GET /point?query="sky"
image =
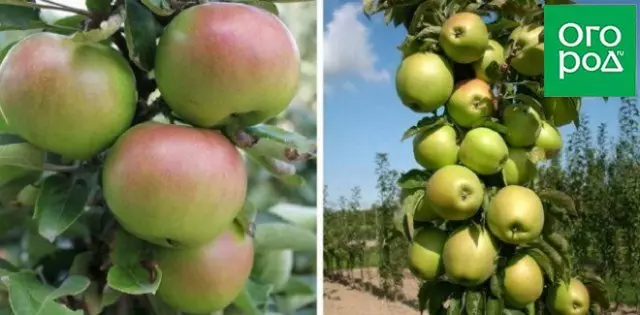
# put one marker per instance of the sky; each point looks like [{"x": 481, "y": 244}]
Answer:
[{"x": 362, "y": 113}]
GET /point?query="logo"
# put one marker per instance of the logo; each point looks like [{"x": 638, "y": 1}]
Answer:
[{"x": 590, "y": 50}]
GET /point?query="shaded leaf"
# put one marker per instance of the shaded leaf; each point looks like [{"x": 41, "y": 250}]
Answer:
[
  {"x": 474, "y": 302},
  {"x": 127, "y": 249},
  {"x": 543, "y": 261},
  {"x": 15, "y": 15},
  {"x": 107, "y": 28},
  {"x": 424, "y": 294},
  {"x": 59, "y": 205},
  {"x": 100, "y": 7},
  {"x": 272, "y": 141},
  {"x": 558, "y": 241},
  {"x": 495, "y": 306},
  {"x": 495, "y": 285},
  {"x": 265, "y": 5},
  {"x": 159, "y": 7},
  {"x": 559, "y": 199},
  {"x": 23, "y": 154},
  {"x": 141, "y": 29},
  {"x": 246, "y": 217},
  {"x": 597, "y": 290},
  {"x": 133, "y": 279},
  {"x": 413, "y": 179},
  {"x": 531, "y": 101},
  {"x": 455, "y": 305},
  {"x": 424, "y": 125},
  {"x": 561, "y": 266},
  {"x": 253, "y": 298},
  {"x": 409, "y": 206}
]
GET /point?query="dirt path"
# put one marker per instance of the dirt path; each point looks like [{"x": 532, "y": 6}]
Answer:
[{"x": 360, "y": 296}]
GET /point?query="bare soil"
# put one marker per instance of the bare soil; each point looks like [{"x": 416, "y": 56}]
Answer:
[{"x": 358, "y": 293}]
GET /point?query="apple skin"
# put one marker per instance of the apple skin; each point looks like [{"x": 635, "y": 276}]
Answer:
[
  {"x": 522, "y": 281},
  {"x": 174, "y": 185},
  {"x": 529, "y": 57},
  {"x": 483, "y": 151},
  {"x": 560, "y": 110},
  {"x": 572, "y": 299},
  {"x": 549, "y": 140},
  {"x": 454, "y": 192},
  {"x": 425, "y": 253},
  {"x": 464, "y": 37},
  {"x": 436, "y": 148},
  {"x": 519, "y": 168},
  {"x": 212, "y": 70},
  {"x": 469, "y": 255},
  {"x": 206, "y": 278},
  {"x": 515, "y": 215},
  {"x": 424, "y": 82},
  {"x": 493, "y": 52},
  {"x": 470, "y": 103},
  {"x": 523, "y": 125},
  {"x": 65, "y": 97}
]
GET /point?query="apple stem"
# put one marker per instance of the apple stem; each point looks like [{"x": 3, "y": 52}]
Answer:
[{"x": 52, "y": 6}]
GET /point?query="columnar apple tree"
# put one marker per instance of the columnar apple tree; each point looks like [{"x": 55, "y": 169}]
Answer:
[
  {"x": 482, "y": 239},
  {"x": 130, "y": 134}
]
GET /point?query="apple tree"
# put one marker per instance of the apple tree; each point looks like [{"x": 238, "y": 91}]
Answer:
[
  {"x": 483, "y": 238},
  {"x": 157, "y": 157}
]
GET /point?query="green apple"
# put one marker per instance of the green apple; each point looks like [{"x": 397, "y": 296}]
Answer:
[
  {"x": 470, "y": 103},
  {"x": 67, "y": 97},
  {"x": 424, "y": 82},
  {"x": 549, "y": 140},
  {"x": 425, "y": 253},
  {"x": 483, "y": 151},
  {"x": 523, "y": 125},
  {"x": 464, "y": 37},
  {"x": 174, "y": 185},
  {"x": 436, "y": 147},
  {"x": 493, "y": 52},
  {"x": 469, "y": 255},
  {"x": 454, "y": 192},
  {"x": 571, "y": 299},
  {"x": 206, "y": 278},
  {"x": 561, "y": 110},
  {"x": 515, "y": 215},
  {"x": 522, "y": 281},
  {"x": 519, "y": 169},
  {"x": 529, "y": 51},
  {"x": 218, "y": 63}
]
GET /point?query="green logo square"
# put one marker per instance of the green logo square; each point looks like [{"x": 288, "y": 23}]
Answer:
[{"x": 590, "y": 50}]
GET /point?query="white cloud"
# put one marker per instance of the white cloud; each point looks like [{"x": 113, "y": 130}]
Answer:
[{"x": 347, "y": 48}]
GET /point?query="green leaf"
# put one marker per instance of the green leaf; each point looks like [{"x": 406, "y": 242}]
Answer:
[
  {"x": 253, "y": 298},
  {"x": 274, "y": 142},
  {"x": 558, "y": 241},
  {"x": 531, "y": 101},
  {"x": 425, "y": 292},
  {"x": 597, "y": 289},
  {"x": 495, "y": 285},
  {"x": 455, "y": 306},
  {"x": 23, "y": 155},
  {"x": 15, "y": 15},
  {"x": 284, "y": 171},
  {"x": 109, "y": 296},
  {"x": 141, "y": 29},
  {"x": 107, "y": 28},
  {"x": 492, "y": 124},
  {"x": 160, "y": 307},
  {"x": 439, "y": 296},
  {"x": 265, "y": 5},
  {"x": 28, "y": 296},
  {"x": 560, "y": 200},
  {"x": 300, "y": 285},
  {"x": 159, "y": 7},
  {"x": 247, "y": 216},
  {"x": 100, "y": 7},
  {"x": 543, "y": 261},
  {"x": 561, "y": 266},
  {"x": 135, "y": 280},
  {"x": 413, "y": 179},
  {"x": 81, "y": 264},
  {"x": 495, "y": 306},
  {"x": 424, "y": 125},
  {"x": 60, "y": 204},
  {"x": 74, "y": 21},
  {"x": 278, "y": 236},
  {"x": 299, "y": 215},
  {"x": 409, "y": 206},
  {"x": 474, "y": 302},
  {"x": 127, "y": 249},
  {"x": 507, "y": 311},
  {"x": 531, "y": 309},
  {"x": 493, "y": 72}
]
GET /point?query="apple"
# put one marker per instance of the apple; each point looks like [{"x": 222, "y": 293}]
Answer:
[
  {"x": 522, "y": 281},
  {"x": 519, "y": 169},
  {"x": 436, "y": 147},
  {"x": 174, "y": 185},
  {"x": 571, "y": 299},
  {"x": 529, "y": 51},
  {"x": 454, "y": 192},
  {"x": 464, "y": 37},
  {"x": 493, "y": 52},
  {"x": 425, "y": 253},
  {"x": 424, "y": 81},
  {"x": 549, "y": 140},
  {"x": 66, "y": 97},
  {"x": 483, "y": 151},
  {"x": 515, "y": 215},
  {"x": 206, "y": 278},
  {"x": 212, "y": 70},
  {"x": 523, "y": 125},
  {"x": 469, "y": 255},
  {"x": 561, "y": 110},
  {"x": 470, "y": 103}
]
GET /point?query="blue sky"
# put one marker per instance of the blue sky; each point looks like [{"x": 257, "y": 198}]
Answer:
[{"x": 362, "y": 113}]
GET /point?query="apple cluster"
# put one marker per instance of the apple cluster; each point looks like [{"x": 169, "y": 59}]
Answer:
[
  {"x": 180, "y": 187},
  {"x": 463, "y": 152}
]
